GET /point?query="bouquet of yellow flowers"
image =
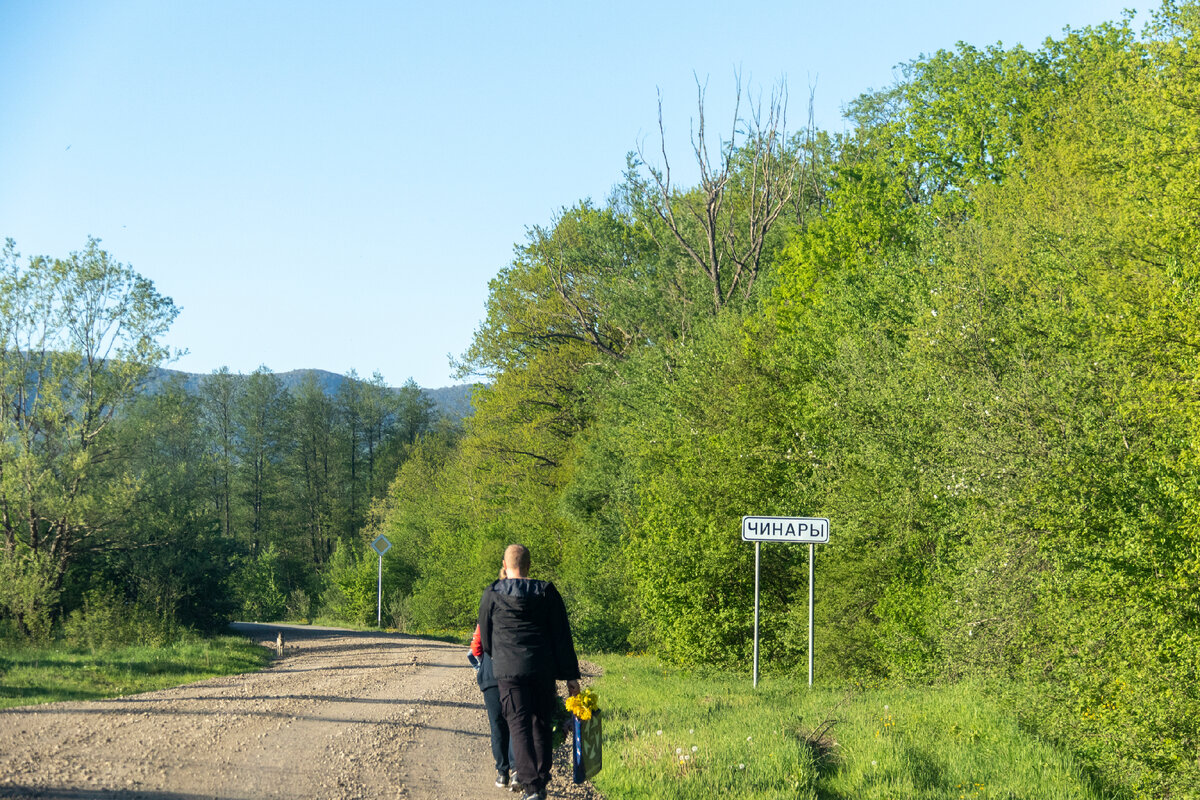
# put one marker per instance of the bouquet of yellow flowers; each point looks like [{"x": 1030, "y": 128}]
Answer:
[
  {"x": 583, "y": 704},
  {"x": 587, "y": 756}
]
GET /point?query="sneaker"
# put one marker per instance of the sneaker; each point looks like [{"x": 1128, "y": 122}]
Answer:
[
  {"x": 501, "y": 778},
  {"x": 535, "y": 795}
]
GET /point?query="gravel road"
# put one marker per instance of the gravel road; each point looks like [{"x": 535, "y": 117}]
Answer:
[{"x": 342, "y": 715}]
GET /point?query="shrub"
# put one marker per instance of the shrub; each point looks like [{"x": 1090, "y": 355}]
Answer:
[
  {"x": 27, "y": 594},
  {"x": 107, "y": 620},
  {"x": 258, "y": 583},
  {"x": 299, "y": 606},
  {"x": 351, "y": 586},
  {"x": 399, "y": 613}
]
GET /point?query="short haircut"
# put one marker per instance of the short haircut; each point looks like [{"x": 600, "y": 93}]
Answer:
[{"x": 516, "y": 557}]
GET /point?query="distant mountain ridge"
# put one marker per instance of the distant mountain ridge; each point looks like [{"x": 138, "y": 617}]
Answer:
[{"x": 450, "y": 401}]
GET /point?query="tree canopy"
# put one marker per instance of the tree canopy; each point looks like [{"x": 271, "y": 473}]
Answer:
[{"x": 969, "y": 340}]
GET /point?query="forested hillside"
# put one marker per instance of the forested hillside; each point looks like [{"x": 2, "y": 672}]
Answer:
[
  {"x": 967, "y": 331},
  {"x": 453, "y": 402},
  {"x": 135, "y": 499}
]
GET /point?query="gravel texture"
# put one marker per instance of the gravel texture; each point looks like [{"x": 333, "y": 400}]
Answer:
[{"x": 342, "y": 714}]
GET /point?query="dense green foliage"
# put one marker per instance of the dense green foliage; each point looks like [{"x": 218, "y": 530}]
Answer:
[
  {"x": 126, "y": 498},
  {"x": 967, "y": 333},
  {"x": 77, "y": 335}
]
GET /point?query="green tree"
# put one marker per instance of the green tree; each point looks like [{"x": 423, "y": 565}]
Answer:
[
  {"x": 265, "y": 436},
  {"x": 317, "y": 454},
  {"x": 352, "y": 427},
  {"x": 77, "y": 337},
  {"x": 169, "y": 553},
  {"x": 220, "y": 395}
]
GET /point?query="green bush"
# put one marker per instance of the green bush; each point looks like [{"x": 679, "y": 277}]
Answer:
[
  {"x": 399, "y": 613},
  {"x": 107, "y": 620},
  {"x": 299, "y": 606},
  {"x": 28, "y": 595},
  {"x": 351, "y": 586},
  {"x": 259, "y": 586}
]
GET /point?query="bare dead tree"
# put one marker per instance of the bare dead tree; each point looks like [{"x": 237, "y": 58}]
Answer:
[
  {"x": 810, "y": 195},
  {"x": 739, "y": 198}
]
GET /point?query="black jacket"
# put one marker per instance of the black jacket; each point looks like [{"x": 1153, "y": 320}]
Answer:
[{"x": 523, "y": 626}]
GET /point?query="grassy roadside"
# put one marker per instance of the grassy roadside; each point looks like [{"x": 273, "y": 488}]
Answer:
[
  {"x": 31, "y": 675},
  {"x": 674, "y": 734}
]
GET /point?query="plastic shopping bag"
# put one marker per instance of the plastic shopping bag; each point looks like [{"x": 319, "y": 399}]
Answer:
[{"x": 588, "y": 747}]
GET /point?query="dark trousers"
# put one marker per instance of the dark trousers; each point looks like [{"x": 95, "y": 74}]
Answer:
[
  {"x": 528, "y": 706},
  {"x": 501, "y": 746}
]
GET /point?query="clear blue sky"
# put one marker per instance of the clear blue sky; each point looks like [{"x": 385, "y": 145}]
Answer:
[{"x": 332, "y": 185}]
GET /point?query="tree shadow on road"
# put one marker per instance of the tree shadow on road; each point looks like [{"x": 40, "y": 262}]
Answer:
[{"x": 67, "y": 793}]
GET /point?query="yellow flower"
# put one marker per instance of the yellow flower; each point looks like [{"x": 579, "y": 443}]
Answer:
[{"x": 583, "y": 704}]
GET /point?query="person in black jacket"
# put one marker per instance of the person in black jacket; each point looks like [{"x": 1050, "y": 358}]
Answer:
[{"x": 523, "y": 627}]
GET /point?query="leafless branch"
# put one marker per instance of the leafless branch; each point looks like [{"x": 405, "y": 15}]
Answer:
[{"x": 739, "y": 198}]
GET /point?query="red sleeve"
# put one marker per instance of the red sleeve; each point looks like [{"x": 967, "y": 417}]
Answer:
[{"x": 476, "y": 644}]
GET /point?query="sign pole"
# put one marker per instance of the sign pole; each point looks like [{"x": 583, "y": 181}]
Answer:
[
  {"x": 379, "y": 618},
  {"x": 380, "y": 545},
  {"x": 812, "y": 549},
  {"x": 757, "y": 547},
  {"x": 806, "y": 530}
]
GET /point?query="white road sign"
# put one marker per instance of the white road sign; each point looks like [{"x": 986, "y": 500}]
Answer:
[
  {"x": 381, "y": 544},
  {"x": 809, "y": 530}
]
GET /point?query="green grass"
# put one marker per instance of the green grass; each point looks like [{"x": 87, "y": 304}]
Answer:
[
  {"x": 674, "y": 734},
  {"x": 45, "y": 675}
]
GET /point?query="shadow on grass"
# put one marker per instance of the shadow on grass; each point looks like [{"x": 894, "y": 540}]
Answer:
[
  {"x": 16, "y": 698},
  {"x": 926, "y": 772},
  {"x": 56, "y": 692},
  {"x": 152, "y": 668},
  {"x": 1100, "y": 786}
]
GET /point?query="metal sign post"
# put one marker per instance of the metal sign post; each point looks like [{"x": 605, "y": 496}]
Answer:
[
  {"x": 381, "y": 545},
  {"x": 757, "y": 550},
  {"x": 811, "y": 530},
  {"x": 811, "y": 555}
]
